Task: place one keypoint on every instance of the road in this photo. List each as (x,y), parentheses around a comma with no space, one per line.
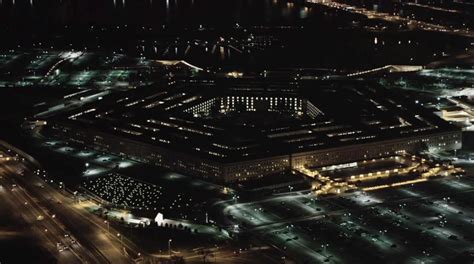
(393,18)
(96,243)
(46,227)
(110,162)
(229,255)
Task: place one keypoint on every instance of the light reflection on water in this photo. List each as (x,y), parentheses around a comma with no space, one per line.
(150,12)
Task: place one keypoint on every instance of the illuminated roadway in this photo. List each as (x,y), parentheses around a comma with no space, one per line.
(392,18)
(96,243)
(48,230)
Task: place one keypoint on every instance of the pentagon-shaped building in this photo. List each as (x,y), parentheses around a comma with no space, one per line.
(227,129)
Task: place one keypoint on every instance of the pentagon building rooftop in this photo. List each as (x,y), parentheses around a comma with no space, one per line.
(227,129)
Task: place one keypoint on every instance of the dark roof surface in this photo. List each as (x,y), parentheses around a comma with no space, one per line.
(344,113)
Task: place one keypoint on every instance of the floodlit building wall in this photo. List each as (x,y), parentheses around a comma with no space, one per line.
(240,171)
(143,152)
(435,142)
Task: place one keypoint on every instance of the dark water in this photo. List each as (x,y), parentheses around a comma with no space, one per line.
(287,34)
(152,12)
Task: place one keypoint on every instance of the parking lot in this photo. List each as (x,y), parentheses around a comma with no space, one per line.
(430,222)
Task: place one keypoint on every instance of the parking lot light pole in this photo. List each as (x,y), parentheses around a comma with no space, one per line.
(169,246)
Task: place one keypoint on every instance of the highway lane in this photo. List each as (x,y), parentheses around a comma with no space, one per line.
(85,226)
(105,248)
(105,240)
(230,255)
(394,18)
(45,227)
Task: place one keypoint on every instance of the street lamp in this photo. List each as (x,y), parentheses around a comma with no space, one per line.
(325,246)
(169,246)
